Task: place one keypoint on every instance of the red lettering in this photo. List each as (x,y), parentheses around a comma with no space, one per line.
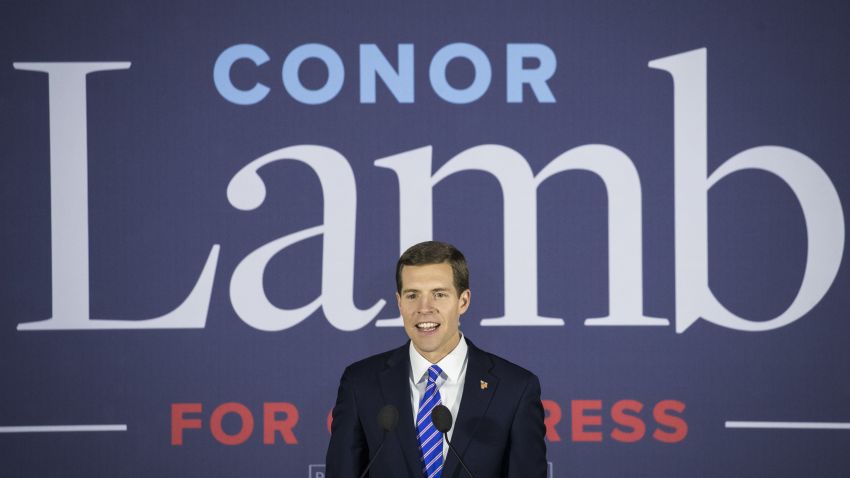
(580,420)
(242,434)
(679,426)
(553,417)
(330,419)
(635,428)
(285,426)
(178,423)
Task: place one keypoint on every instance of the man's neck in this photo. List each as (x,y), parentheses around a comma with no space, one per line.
(437,355)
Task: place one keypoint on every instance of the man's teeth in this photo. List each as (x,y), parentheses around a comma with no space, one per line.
(427,326)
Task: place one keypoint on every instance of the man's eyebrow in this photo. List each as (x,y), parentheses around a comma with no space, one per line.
(436,289)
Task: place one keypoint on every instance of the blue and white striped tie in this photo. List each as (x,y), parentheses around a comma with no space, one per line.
(430,440)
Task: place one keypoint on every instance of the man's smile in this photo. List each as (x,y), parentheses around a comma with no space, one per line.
(427,326)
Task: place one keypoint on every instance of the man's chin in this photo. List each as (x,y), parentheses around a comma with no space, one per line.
(426,347)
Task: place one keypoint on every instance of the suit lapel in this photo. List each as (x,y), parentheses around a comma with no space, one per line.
(473,403)
(396,391)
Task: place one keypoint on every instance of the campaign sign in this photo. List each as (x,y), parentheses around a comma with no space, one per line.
(203,203)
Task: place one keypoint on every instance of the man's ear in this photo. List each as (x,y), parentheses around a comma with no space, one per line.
(398,301)
(464,300)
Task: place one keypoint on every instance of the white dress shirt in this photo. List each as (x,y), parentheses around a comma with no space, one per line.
(449,383)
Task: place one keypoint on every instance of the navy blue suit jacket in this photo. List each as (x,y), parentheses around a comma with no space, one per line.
(498,429)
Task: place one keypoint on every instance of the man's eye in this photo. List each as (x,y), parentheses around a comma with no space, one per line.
(410,296)
(441,295)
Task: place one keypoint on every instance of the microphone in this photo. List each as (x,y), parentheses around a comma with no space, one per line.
(387,419)
(441,417)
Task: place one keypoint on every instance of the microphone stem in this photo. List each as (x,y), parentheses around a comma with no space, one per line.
(366,471)
(462,464)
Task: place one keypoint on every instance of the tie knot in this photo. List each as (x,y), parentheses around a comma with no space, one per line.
(434,372)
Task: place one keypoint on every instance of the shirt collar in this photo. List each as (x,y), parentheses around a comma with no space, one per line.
(451,364)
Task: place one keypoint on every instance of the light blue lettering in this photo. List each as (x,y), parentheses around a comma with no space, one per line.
(535,78)
(221,74)
(374,63)
(292,83)
(480,82)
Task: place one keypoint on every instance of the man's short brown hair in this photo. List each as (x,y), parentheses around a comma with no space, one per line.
(435,252)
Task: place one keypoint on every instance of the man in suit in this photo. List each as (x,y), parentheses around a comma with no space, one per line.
(498,417)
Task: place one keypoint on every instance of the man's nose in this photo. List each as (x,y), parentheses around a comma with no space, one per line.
(426,303)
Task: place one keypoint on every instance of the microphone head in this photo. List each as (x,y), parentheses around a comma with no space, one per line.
(388,417)
(442,418)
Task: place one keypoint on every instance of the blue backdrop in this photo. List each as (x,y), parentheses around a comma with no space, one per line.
(202,205)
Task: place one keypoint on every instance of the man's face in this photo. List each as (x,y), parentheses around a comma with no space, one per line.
(431,309)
